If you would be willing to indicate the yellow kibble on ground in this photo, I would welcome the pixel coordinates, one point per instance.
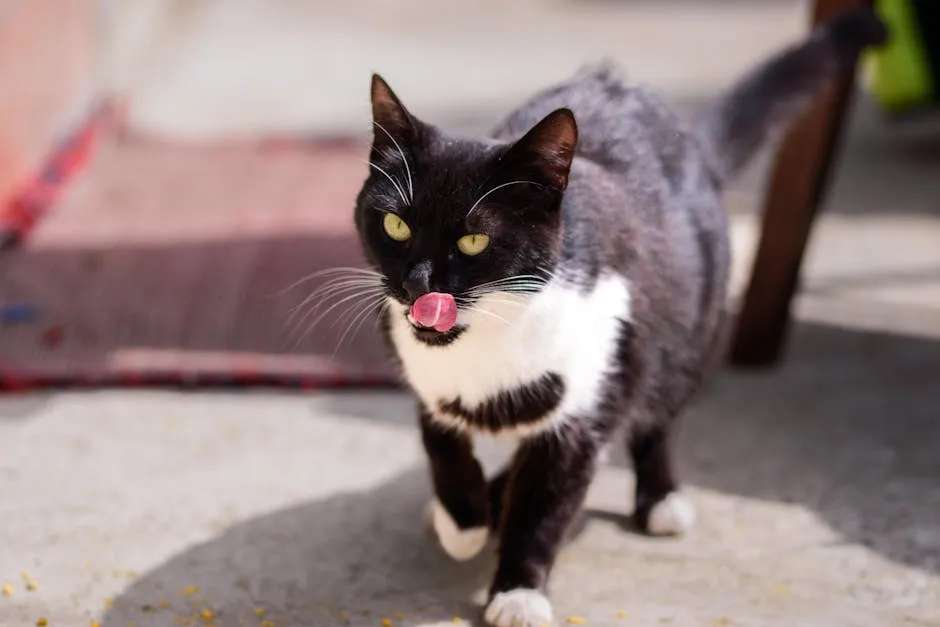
(6, 590)
(400, 615)
(622, 614)
(457, 619)
(387, 622)
(189, 591)
(164, 604)
(576, 620)
(259, 611)
(207, 614)
(267, 623)
(31, 586)
(42, 621)
(108, 602)
(95, 623)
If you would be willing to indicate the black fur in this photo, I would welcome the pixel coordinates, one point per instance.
(520, 407)
(456, 474)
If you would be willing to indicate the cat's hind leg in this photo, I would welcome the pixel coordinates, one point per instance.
(659, 507)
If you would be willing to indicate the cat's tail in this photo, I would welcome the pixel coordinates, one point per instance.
(766, 100)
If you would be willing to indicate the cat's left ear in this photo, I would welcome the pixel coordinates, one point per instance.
(391, 118)
(546, 151)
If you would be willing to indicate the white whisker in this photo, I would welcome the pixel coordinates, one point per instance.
(477, 309)
(508, 279)
(321, 316)
(340, 270)
(392, 181)
(532, 288)
(351, 311)
(330, 290)
(411, 189)
(372, 307)
(498, 187)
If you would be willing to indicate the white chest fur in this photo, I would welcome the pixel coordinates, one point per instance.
(513, 340)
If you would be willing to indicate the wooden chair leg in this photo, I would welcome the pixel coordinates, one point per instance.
(793, 197)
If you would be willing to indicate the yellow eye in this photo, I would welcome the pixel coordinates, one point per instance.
(473, 244)
(396, 228)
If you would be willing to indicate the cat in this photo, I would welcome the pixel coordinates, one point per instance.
(561, 282)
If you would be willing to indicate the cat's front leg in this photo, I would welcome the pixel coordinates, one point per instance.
(459, 513)
(547, 486)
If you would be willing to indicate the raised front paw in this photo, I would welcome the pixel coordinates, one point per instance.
(522, 607)
(460, 544)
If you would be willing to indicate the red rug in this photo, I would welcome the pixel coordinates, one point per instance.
(164, 264)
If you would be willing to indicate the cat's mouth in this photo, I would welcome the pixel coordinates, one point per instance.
(433, 337)
(430, 335)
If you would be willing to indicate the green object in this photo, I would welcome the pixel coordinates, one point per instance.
(899, 74)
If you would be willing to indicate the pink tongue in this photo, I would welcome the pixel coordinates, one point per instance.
(435, 311)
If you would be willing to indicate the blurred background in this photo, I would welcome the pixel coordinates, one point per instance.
(193, 159)
(171, 171)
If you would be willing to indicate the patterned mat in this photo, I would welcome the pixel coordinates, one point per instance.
(168, 264)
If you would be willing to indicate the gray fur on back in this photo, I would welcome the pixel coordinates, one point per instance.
(642, 202)
(644, 194)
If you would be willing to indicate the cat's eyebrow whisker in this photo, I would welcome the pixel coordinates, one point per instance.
(392, 181)
(498, 187)
(411, 189)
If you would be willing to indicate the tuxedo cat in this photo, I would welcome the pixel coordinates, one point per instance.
(563, 281)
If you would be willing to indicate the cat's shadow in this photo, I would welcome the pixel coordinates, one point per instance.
(349, 559)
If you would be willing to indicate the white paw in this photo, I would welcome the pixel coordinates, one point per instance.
(521, 607)
(672, 516)
(460, 544)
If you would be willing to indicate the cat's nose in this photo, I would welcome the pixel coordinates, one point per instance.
(418, 281)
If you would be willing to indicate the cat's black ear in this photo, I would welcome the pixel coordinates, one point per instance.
(547, 150)
(391, 118)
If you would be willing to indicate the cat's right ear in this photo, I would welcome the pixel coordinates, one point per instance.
(390, 117)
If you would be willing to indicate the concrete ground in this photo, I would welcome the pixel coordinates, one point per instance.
(818, 484)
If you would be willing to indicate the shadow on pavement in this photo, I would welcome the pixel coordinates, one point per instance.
(354, 558)
(848, 428)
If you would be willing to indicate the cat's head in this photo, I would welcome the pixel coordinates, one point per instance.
(459, 217)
